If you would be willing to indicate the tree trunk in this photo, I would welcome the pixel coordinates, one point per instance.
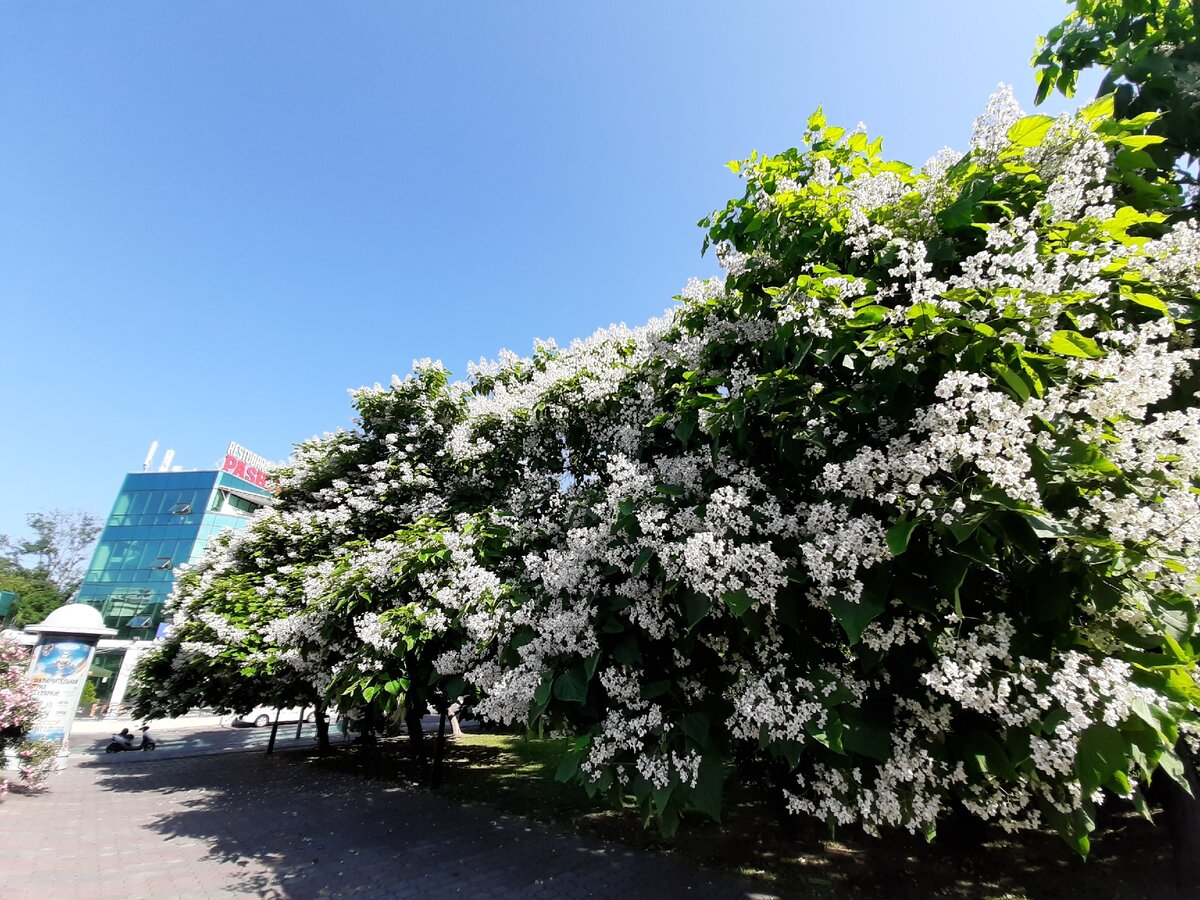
(416, 735)
(1181, 814)
(322, 729)
(436, 779)
(779, 779)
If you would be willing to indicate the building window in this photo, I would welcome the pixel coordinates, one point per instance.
(240, 503)
(162, 562)
(181, 509)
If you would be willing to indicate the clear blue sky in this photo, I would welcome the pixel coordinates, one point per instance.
(215, 218)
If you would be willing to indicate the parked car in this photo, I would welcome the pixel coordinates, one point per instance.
(265, 715)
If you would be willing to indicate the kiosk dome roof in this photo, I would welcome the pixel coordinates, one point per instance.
(73, 618)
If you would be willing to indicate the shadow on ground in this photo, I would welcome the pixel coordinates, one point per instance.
(298, 830)
(297, 825)
(799, 857)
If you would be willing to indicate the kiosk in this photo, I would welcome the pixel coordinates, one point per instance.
(59, 666)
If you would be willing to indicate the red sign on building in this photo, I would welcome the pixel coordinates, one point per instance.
(239, 469)
(246, 465)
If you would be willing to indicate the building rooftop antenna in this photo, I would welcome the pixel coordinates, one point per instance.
(150, 456)
(166, 463)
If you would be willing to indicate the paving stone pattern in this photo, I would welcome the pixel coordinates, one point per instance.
(138, 826)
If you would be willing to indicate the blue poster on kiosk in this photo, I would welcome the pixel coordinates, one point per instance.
(58, 670)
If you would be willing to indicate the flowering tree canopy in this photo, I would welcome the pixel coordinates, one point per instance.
(903, 511)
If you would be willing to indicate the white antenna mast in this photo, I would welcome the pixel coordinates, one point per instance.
(166, 463)
(150, 456)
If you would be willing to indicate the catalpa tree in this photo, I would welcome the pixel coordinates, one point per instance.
(902, 511)
(905, 507)
(293, 608)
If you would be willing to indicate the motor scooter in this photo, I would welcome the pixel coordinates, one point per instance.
(116, 745)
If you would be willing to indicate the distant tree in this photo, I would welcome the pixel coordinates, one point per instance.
(88, 696)
(37, 595)
(1151, 50)
(59, 548)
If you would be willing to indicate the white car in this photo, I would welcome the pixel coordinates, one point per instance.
(265, 715)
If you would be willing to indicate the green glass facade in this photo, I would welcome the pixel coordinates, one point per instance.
(160, 521)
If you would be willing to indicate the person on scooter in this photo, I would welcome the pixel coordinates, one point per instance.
(125, 738)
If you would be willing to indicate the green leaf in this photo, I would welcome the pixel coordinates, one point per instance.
(1103, 752)
(684, 429)
(738, 601)
(1140, 804)
(640, 563)
(830, 735)
(1180, 683)
(695, 725)
(541, 696)
(626, 651)
(1154, 716)
(571, 685)
(1177, 651)
(710, 785)
(989, 756)
(1149, 301)
(568, 766)
(1139, 141)
(1046, 526)
(653, 689)
(695, 606)
(1072, 343)
(1173, 766)
(453, 686)
(854, 617)
(965, 527)
(1014, 381)
(864, 736)
(590, 664)
(961, 212)
(898, 535)
(661, 796)
(1100, 108)
(1030, 131)
(668, 821)
(949, 578)
(867, 316)
(1079, 842)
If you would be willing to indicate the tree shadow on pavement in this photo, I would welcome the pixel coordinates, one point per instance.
(279, 826)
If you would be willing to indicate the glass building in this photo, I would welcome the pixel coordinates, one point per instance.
(160, 521)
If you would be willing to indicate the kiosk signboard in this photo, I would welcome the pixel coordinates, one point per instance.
(58, 670)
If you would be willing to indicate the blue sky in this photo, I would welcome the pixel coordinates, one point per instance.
(215, 218)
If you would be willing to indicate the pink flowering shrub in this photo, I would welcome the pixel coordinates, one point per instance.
(18, 706)
(901, 513)
(37, 761)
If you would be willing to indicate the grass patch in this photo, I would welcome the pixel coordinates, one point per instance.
(787, 855)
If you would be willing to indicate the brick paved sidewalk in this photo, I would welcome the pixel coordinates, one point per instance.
(274, 827)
